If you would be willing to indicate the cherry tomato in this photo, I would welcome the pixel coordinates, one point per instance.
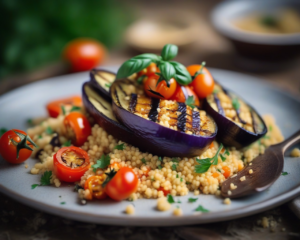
(54, 108)
(70, 163)
(161, 88)
(152, 68)
(182, 93)
(84, 54)
(166, 192)
(94, 184)
(122, 185)
(115, 166)
(77, 128)
(8, 149)
(204, 83)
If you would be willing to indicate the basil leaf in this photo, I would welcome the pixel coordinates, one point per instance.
(132, 66)
(204, 165)
(167, 70)
(182, 76)
(169, 51)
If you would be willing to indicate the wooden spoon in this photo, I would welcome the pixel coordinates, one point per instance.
(265, 168)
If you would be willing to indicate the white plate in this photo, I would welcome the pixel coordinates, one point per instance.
(29, 101)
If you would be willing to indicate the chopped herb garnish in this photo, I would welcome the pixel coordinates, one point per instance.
(103, 162)
(39, 136)
(29, 122)
(178, 202)
(219, 170)
(190, 102)
(269, 21)
(63, 203)
(187, 183)
(177, 176)
(120, 147)
(33, 186)
(49, 130)
(266, 137)
(181, 179)
(204, 164)
(193, 199)
(284, 173)
(175, 160)
(67, 143)
(152, 179)
(75, 109)
(159, 167)
(63, 109)
(140, 79)
(201, 209)
(2, 131)
(215, 91)
(160, 159)
(270, 128)
(143, 160)
(107, 85)
(236, 103)
(174, 167)
(46, 177)
(170, 198)
(226, 152)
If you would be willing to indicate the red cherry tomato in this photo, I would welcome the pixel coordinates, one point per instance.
(161, 88)
(70, 163)
(77, 128)
(54, 107)
(94, 184)
(166, 192)
(84, 54)
(122, 185)
(8, 149)
(203, 84)
(182, 93)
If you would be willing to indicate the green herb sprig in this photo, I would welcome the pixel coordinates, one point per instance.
(190, 101)
(120, 146)
(168, 69)
(45, 180)
(103, 162)
(201, 209)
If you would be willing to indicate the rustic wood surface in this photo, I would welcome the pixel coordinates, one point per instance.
(18, 221)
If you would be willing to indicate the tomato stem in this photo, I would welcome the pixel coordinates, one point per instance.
(109, 177)
(200, 70)
(23, 143)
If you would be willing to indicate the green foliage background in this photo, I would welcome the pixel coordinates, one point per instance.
(34, 32)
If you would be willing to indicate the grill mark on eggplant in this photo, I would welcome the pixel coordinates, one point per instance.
(196, 121)
(219, 106)
(181, 124)
(122, 90)
(101, 76)
(132, 103)
(153, 114)
(117, 97)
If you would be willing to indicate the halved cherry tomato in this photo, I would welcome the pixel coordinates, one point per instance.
(54, 108)
(84, 54)
(152, 68)
(161, 88)
(77, 128)
(122, 184)
(203, 84)
(70, 163)
(8, 147)
(166, 192)
(94, 184)
(226, 172)
(182, 93)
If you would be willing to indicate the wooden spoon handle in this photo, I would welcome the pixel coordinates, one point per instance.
(295, 138)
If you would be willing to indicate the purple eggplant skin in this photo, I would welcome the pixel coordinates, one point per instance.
(160, 140)
(111, 126)
(229, 133)
(102, 91)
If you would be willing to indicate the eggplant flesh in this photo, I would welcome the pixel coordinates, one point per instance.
(239, 124)
(173, 129)
(102, 80)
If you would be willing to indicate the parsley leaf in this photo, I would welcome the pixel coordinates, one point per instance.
(33, 186)
(143, 160)
(187, 183)
(236, 103)
(29, 122)
(75, 109)
(175, 160)
(49, 130)
(46, 177)
(219, 170)
(226, 152)
(170, 199)
(270, 128)
(63, 109)
(177, 176)
(103, 162)
(204, 164)
(2, 131)
(181, 179)
(160, 159)
(201, 209)
(120, 147)
(159, 167)
(63, 203)
(107, 85)
(193, 199)
(284, 173)
(174, 167)
(190, 102)
(67, 143)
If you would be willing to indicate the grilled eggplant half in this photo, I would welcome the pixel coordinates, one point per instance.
(173, 129)
(102, 80)
(238, 123)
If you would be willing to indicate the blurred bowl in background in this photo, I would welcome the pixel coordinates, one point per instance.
(151, 34)
(254, 45)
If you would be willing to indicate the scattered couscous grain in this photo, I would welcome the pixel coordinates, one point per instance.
(26, 165)
(177, 212)
(227, 201)
(250, 171)
(295, 152)
(265, 222)
(243, 178)
(163, 204)
(229, 192)
(232, 186)
(129, 209)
